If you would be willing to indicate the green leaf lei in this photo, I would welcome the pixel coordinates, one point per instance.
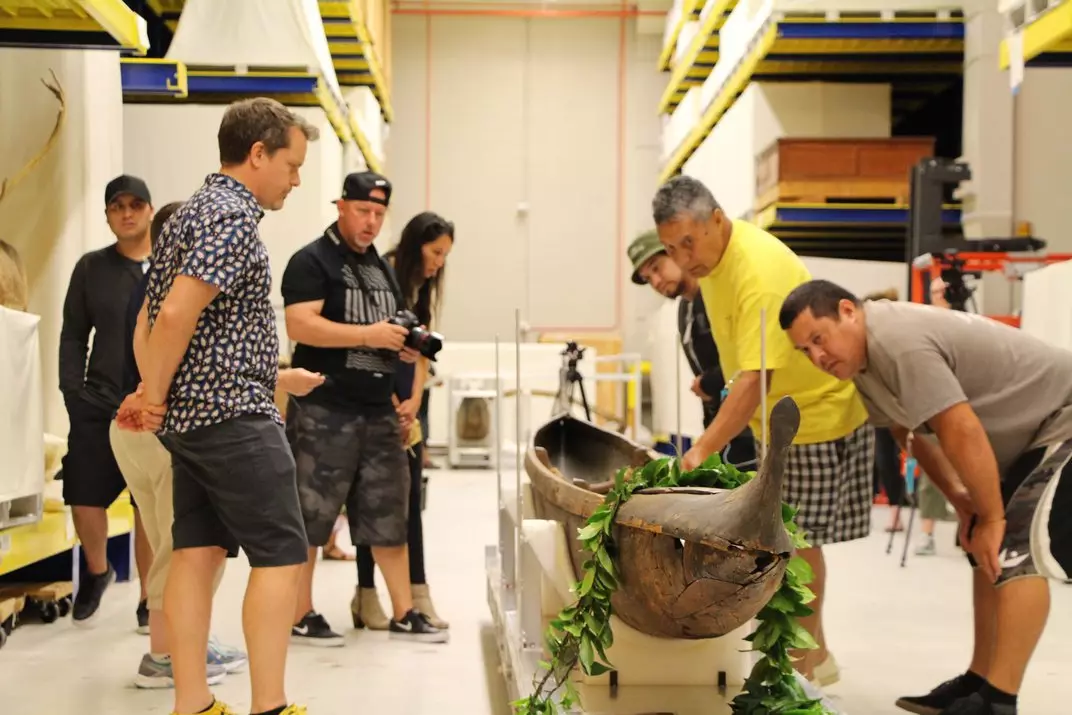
(581, 633)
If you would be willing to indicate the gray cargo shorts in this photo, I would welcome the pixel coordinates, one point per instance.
(351, 460)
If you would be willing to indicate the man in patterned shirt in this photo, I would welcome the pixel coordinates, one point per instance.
(208, 351)
(339, 295)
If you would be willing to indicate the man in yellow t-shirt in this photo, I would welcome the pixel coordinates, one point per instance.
(744, 271)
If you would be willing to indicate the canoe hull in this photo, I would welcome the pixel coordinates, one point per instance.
(669, 587)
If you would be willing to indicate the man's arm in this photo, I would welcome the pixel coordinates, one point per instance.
(968, 449)
(733, 416)
(744, 398)
(216, 263)
(171, 334)
(931, 394)
(307, 326)
(74, 335)
(141, 337)
(305, 287)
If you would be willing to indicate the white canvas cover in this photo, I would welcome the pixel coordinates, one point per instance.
(22, 424)
(262, 33)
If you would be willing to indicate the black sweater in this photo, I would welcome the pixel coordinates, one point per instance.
(97, 300)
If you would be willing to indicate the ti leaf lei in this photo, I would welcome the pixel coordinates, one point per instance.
(581, 633)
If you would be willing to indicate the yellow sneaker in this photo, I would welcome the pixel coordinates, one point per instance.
(217, 708)
(828, 672)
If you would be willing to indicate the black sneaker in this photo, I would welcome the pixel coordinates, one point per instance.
(314, 630)
(976, 704)
(934, 702)
(143, 618)
(87, 601)
(415, 626)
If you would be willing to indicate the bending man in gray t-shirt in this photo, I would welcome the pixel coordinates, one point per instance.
(999, 402)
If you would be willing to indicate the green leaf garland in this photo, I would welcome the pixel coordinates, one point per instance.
(581, 633)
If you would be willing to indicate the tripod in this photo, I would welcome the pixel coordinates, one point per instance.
(569, 379)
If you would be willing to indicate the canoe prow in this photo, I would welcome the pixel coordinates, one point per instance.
(749, 517)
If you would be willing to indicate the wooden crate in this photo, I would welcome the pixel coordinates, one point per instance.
(832, 170)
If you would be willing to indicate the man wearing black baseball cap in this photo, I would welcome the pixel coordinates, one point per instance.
(346, 436)
(97, 298)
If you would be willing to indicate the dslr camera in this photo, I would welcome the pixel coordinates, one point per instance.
(425, 342)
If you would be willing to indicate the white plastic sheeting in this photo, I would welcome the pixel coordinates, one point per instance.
(22, 430)
(242, 33)
(1046, 293)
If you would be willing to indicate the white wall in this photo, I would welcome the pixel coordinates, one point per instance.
(516, 141)
(173, 147)
(1043, 155)
(57, 213)
(860, 277)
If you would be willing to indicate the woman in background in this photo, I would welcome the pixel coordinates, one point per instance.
(418, 262)
(932, 503)
(14, 288)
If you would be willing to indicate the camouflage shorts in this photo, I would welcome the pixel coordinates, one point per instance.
(1037, 492)
(350, 460)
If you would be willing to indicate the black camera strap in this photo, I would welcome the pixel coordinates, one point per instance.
(349, 257)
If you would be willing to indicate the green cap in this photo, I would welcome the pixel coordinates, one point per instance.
(641, 249)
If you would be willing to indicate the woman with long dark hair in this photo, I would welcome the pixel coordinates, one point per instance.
(418, 262)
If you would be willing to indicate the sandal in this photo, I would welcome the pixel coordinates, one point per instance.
(337, 554)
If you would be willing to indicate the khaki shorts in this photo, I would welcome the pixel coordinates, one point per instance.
(146, 467)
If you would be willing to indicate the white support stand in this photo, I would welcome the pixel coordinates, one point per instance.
(461, 455)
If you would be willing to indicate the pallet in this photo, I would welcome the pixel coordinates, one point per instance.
(10, 608)
(46, 602)
(834, 192)
(832, 16)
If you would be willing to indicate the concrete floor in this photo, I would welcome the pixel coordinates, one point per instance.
(895, 631)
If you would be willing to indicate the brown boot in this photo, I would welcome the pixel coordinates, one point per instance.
(422, 601)
(367, 611)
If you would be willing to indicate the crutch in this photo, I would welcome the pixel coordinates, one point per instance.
(909, 473)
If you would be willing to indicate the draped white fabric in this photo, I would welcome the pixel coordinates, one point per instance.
(22, 439)
(262, 33)
(1045, 294)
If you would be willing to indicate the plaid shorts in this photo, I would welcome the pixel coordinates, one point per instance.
(831, 484)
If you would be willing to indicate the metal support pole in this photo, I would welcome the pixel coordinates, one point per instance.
(638, 398)
(763, 381)
(518, 437)
(507, 530)
(497, 441)
(677, 399)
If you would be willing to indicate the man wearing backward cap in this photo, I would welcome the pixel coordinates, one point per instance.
(346, 436)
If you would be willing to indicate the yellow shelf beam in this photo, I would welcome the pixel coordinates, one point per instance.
(690, 10)
(357, 29)
(1051, 31)
(371, 160)
(772, 44)
(698, 61)
(112, 17)
(54, 534)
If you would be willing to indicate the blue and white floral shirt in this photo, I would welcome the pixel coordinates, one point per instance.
(231, 366)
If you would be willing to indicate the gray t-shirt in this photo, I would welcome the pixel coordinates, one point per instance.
(923, 360)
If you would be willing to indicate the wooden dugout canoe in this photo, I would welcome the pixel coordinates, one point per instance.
(693, 562)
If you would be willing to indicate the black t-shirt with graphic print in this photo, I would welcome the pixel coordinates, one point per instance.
(356, 290)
